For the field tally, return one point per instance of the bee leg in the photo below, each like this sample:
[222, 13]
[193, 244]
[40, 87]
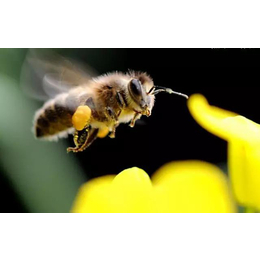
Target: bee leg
[75, 139]
[83, 139]
[91, 137]
[136, 117]
[113, 132]
[122, 105]
[79, 139]
[111, 113]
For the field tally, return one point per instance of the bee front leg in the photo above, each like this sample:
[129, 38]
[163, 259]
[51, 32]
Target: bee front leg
[136, 117]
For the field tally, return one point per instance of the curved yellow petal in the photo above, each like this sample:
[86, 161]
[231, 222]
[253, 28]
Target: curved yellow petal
[178, 187]
[93, 196]
[243, 136]
[223, 123]
[244, 169]
[132, 191]
[209, 117]
[192, 186]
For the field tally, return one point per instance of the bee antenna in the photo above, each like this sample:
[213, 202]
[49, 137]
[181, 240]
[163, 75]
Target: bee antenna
[158, 89]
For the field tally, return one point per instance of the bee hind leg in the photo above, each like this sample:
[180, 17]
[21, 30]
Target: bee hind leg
[79, 139]
[83, 139]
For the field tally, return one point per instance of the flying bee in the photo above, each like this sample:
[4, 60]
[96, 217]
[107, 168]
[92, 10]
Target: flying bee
[84, 105]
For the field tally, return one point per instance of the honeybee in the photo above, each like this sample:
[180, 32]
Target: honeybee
[84, 105]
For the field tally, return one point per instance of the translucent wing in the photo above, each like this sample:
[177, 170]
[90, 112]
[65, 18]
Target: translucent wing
[45, 75]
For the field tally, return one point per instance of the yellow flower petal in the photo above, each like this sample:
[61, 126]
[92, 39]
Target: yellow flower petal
[243, 136]
[209, 117]
[192, 186]
[244, 168]
[132, 191]
[93, 196]
[178, 187]
[238, 170]
[223, 123]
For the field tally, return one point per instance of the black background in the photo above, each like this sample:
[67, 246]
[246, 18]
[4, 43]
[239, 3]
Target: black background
[227, 78]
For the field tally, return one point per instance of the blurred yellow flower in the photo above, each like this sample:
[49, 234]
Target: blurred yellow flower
[190, 186]
[243, 136]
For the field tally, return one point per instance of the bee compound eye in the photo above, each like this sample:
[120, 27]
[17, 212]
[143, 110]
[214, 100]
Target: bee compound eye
[136, 87]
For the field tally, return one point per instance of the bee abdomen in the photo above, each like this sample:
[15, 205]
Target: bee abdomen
[53, 119]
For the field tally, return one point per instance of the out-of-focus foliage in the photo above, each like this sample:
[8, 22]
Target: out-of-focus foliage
[190, 186]
[44, 176]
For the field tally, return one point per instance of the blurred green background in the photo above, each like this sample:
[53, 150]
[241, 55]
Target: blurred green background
[41, 176]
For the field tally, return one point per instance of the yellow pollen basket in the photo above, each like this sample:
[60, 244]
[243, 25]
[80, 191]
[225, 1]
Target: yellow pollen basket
[103, 132]
[81, 117]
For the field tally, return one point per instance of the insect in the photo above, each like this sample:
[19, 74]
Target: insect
[85, 106]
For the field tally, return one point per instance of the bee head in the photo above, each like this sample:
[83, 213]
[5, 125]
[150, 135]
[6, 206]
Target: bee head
[139, 87]
[143, 91]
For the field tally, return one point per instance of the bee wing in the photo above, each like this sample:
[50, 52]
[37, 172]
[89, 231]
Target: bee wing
[45, 75]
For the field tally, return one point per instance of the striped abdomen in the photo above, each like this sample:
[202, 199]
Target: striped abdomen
[55, 118]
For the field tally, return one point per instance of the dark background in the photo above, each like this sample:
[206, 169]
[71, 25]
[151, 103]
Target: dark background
[227, 78]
